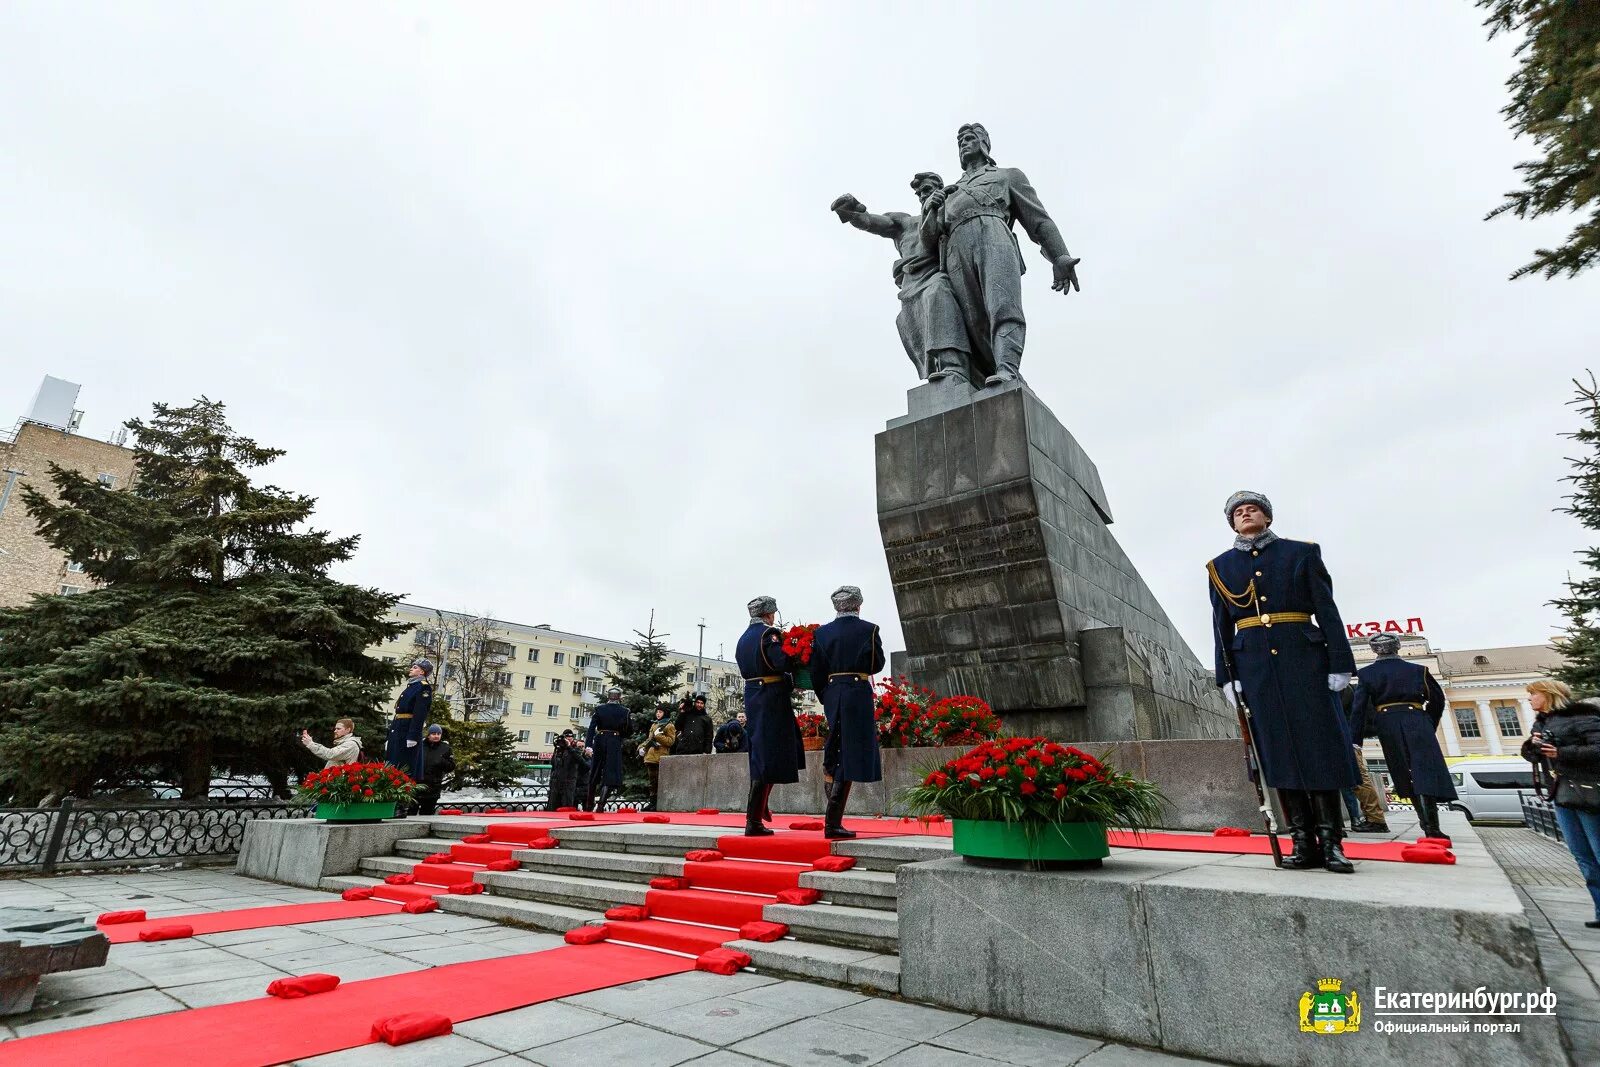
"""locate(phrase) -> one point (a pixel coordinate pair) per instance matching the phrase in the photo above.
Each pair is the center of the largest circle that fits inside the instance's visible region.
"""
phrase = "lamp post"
(700, 657)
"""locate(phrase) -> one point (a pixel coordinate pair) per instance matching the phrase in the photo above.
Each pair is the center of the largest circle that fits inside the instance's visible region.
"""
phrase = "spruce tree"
(1580, 645)
(1555, 99)
(217, 634)
(647, 678)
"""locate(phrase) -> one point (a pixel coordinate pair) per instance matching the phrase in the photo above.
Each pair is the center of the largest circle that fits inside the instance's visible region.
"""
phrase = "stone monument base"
(305, 851)
(1210, 955)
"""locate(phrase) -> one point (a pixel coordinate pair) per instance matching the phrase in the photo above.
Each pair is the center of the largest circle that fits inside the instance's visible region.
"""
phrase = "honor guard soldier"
(1281, 648)
(776, 755)
(608, 728)
(402, 747)
(845, 655)
(1400, 704)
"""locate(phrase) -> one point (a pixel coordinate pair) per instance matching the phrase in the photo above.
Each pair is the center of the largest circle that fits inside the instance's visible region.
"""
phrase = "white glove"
(411, 744)
(1231, 690)
(1338, 682)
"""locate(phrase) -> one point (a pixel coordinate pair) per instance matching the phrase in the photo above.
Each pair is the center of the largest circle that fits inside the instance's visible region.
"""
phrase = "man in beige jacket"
(346, 746)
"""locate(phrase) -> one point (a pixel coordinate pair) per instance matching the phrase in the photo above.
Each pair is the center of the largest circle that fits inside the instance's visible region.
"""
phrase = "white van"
(1487, 788)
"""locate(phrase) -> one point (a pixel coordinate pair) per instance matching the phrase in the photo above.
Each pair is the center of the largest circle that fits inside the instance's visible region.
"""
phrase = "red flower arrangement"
(812, 726)
(357, 783)
(1033, 779)
(914, 716)
(799, 639)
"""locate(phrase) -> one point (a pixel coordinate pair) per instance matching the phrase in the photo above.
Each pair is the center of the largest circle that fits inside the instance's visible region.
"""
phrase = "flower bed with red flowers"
(799, 639)
(812, 725)
(1033, 779)
(914, 716)
(357, 783)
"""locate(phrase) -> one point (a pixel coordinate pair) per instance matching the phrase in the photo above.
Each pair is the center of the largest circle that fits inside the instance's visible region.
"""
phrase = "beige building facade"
(552, 679)
(28, 563)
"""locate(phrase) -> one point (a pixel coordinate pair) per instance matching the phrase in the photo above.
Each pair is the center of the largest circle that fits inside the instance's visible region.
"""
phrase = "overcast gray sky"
(545, 300)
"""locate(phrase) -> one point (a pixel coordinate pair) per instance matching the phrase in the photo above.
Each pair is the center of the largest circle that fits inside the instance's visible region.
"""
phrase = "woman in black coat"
(1566, 739)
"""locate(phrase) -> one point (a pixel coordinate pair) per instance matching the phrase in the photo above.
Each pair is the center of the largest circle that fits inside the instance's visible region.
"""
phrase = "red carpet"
(216, 922)
(1254, 845)
(269, 1030)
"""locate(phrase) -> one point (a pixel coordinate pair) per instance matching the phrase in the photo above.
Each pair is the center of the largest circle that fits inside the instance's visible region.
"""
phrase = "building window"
(555, 711)
(561, 657)
(1506, 718)
(510, 651)
(555, 685)
(577, 713)
(522, 735)
(388, 659)
(549, 738)
(530, 682)
(501, 706)
(1467, 722)
(533, 655)
(74, 568)
(527, 709)
(449, 671)
(71, 590)
(502, 678)
(688, 679)
(107, 480)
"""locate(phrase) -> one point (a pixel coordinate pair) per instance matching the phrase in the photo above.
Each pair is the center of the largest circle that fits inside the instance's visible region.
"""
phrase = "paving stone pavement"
(694, 1018)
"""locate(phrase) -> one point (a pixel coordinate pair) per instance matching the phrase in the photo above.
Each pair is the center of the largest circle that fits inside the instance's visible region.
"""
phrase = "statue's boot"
(833, 820)
(754, 804)
(947, 364)
(1297, 814)
(1330, 827)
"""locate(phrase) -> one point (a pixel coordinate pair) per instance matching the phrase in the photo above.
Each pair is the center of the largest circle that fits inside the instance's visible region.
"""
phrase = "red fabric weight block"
(762, 931)
(668, 881)
(412, 1026)
(420, 905)
(440, 857)
(587, 935)
(806, 824)
(1426, 854)
(501, 865)
(304, 985)
(544, 842)
(1230, 831)
(722, 961)
(494, 811)
(475, 839)
(799, 896)
(357, 892)
(1437, 842)
(400, 879)
(170, 932)
(833, 863)
(582, 816)
(466, 889)
(656, 818)
(702, 855)
(935, 818)
(627, 913)
(568, 808)
(112, 918)
(708, 811)
(451, 811)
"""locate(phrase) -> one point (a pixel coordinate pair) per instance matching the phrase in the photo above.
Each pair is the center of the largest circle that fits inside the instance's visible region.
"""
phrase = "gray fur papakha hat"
(426, 665)
(847, 598)
(1384, 644)
(762, 605)
(1246, 496)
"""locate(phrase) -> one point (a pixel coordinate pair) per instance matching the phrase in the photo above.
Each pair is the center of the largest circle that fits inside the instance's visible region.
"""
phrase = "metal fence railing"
(1539, 814)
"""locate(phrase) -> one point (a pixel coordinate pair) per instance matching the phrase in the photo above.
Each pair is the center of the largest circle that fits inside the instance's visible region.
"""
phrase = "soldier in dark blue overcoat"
(776, 753)
(845, 655)
(1400, 704)
(609, 727)
(403, 745)
(1281, 646)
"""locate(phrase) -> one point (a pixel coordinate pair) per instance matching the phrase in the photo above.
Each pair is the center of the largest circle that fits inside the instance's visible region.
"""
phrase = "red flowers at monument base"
(914, 716)
(357, 783)
(799, 639)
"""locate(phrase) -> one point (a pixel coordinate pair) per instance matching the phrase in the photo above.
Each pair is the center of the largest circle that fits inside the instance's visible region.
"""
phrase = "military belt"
(1271, 619)
(850, 674)
(610, 733)
(404, 715)
(765, 679)
(1400, 704)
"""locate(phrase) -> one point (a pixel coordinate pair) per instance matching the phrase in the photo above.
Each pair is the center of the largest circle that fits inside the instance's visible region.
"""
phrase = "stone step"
(534, 914)
(854, 888)
(890, 853)
(423, 847)
(620, 866)
(871, 929)
(857, 968)
(567, 889)
(661, 839)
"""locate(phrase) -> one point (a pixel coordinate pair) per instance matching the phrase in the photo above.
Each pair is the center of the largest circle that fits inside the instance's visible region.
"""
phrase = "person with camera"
(658, 742)
(731, 736)
(566, 771)
(1564, 745)
(346, 747)
(437, 761)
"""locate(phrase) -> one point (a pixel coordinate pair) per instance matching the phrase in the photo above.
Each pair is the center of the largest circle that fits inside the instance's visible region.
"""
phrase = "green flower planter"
(1039, 845)
(802, 678)
(366, 811)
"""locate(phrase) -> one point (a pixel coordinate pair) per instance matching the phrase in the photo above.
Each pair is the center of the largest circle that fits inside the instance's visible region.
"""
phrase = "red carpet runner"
(216, 922)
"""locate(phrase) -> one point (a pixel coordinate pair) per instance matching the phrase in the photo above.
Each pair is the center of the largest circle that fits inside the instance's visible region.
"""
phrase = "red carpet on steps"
(216, 922)
(1254, 845)
(269, 1030)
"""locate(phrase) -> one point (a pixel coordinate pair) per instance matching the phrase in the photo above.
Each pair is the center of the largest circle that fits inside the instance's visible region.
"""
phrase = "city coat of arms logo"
(1329, 1010)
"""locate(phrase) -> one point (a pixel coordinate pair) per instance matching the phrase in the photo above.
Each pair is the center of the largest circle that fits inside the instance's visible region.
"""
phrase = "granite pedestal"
(305, 851)
(38, 941)
(1009, 584)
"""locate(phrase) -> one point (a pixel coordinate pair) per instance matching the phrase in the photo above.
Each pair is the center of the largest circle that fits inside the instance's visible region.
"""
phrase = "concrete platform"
(1210, 955)
(305, 851)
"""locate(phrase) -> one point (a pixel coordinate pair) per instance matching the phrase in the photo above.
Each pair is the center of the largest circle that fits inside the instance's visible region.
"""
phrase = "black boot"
(1330, 827)
(833, 821)
(754, 805)
(1307, 852)
(1428, 816)
(600, 801)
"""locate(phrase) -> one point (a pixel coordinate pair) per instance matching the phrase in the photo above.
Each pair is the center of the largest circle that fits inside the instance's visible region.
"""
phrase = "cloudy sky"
(545, 301)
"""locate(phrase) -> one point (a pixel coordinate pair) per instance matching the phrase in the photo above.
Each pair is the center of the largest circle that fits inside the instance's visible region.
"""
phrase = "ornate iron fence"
(43, 839)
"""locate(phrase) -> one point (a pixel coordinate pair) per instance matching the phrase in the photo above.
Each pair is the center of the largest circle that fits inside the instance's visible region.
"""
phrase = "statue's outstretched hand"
(1066, 270)
(847, 205)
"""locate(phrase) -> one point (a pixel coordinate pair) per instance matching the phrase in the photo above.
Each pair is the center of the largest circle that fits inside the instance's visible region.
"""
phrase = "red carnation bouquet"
(914, 716)
(799, 639)
(1034, 779)
(357, 783)
(813, 727)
